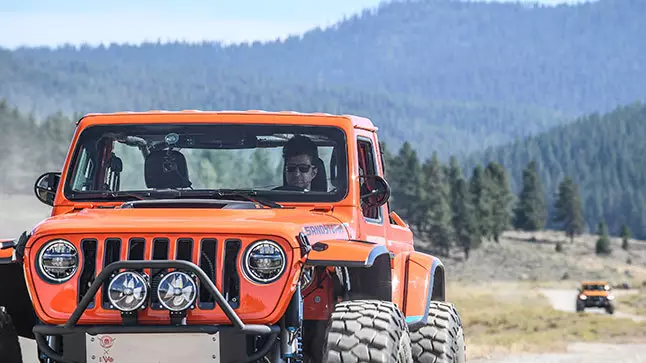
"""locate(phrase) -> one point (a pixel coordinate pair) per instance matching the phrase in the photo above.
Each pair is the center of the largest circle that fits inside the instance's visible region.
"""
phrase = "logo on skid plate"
(106, 342)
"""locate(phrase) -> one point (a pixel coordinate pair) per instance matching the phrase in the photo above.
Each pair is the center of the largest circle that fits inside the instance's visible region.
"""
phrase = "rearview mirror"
(375, 191)
(45, 187)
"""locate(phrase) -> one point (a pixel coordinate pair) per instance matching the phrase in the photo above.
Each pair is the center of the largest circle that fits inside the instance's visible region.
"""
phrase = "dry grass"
(635, 304)
(512, 317)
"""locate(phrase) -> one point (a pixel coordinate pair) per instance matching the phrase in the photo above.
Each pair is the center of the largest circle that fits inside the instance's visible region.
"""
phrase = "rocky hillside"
(532, 256)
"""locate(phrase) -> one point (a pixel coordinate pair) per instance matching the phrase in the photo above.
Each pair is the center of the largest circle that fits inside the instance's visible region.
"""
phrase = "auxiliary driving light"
(177, 291)
(58, 260)
(264, 261)
(128, 291)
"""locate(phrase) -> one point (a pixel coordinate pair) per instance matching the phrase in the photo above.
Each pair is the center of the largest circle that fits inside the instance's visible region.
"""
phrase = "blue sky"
(48, 22)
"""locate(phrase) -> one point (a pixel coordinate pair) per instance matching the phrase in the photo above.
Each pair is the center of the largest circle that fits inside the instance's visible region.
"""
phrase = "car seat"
(166, 169)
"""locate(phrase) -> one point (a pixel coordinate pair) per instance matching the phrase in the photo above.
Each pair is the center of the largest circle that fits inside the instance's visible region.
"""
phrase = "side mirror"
(45, 187)
(375, 191)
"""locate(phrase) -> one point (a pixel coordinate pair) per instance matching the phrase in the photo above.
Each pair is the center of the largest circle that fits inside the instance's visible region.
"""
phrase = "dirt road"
(578, 353)
(564, 300)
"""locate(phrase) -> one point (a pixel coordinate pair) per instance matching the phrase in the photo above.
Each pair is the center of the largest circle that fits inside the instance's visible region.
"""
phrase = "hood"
(287, 223)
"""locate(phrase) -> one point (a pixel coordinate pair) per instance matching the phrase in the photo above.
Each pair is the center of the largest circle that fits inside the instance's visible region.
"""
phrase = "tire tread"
(438, 340)
(365, 331)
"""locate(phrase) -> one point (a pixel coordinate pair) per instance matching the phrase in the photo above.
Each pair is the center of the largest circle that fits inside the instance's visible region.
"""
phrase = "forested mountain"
(450, 76)
(603, 154)
(38, 84)
(30, 147)
(576, 58)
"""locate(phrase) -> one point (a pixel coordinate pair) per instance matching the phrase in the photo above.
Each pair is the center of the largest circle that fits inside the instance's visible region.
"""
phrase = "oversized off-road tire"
(579, 306)
(441, 339)
(367, 331)
(610, 309)
(9, 345)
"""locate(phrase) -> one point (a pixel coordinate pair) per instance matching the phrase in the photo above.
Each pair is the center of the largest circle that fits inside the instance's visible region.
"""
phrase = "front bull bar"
(71, 327)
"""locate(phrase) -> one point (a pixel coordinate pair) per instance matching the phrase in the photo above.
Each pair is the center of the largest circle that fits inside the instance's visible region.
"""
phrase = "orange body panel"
(330, 223)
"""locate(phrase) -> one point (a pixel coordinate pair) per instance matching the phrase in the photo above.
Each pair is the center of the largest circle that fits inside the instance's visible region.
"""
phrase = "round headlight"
(128, 291)
(58, 260)
(177, 291)
(264, 261)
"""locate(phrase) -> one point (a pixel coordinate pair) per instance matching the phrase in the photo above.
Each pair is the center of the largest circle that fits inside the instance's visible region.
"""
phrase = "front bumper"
(596, 301)
(230, 336)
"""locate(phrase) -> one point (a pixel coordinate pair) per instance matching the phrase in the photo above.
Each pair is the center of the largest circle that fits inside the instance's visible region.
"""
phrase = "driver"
(299, 154)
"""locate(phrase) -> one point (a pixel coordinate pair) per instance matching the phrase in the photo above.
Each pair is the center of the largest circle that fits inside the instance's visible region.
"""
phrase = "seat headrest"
(319, 184)
(166, 169)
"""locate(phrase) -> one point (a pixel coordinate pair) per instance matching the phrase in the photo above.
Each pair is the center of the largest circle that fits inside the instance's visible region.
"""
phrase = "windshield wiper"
(248, 194)
(106, 195)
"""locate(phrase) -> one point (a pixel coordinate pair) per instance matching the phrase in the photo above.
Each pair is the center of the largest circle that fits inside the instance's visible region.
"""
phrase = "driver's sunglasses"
(303, 168)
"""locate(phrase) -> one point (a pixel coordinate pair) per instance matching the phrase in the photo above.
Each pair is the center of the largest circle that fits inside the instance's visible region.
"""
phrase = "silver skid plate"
(153, 348)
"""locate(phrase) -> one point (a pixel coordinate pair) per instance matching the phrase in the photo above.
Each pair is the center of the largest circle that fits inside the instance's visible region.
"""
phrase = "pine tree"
(568, 209)
(501, 197)
(481, 200)
(262, 174)
(437, 228)
(453, 174)
(603, 243)
(406, 178)
(625, 236)
(465, 225)
(530, 213)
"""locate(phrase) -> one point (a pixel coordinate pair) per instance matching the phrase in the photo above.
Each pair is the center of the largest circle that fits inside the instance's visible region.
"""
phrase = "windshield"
(594, 287)
(281, 162)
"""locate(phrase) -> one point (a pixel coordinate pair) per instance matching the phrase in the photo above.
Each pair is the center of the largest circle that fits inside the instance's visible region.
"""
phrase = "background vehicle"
(152, 252)
(595, 294)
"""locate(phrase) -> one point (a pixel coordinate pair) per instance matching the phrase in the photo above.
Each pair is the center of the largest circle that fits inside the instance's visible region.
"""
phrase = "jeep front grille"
(204, 252)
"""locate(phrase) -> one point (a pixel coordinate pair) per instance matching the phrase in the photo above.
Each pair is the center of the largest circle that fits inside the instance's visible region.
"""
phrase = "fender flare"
(368, 265)
(345, 253)
(436, 287)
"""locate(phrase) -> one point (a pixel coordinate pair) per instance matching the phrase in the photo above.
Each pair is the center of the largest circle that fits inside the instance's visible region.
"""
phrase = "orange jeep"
(219, 237)
(595, 294)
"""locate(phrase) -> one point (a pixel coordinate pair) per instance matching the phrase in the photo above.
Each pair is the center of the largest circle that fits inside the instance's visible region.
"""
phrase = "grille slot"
(88, 271)
(112, 252)
(185, 249)
(161, 247)
(136, 250)
(231, 279)
(208, 258)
